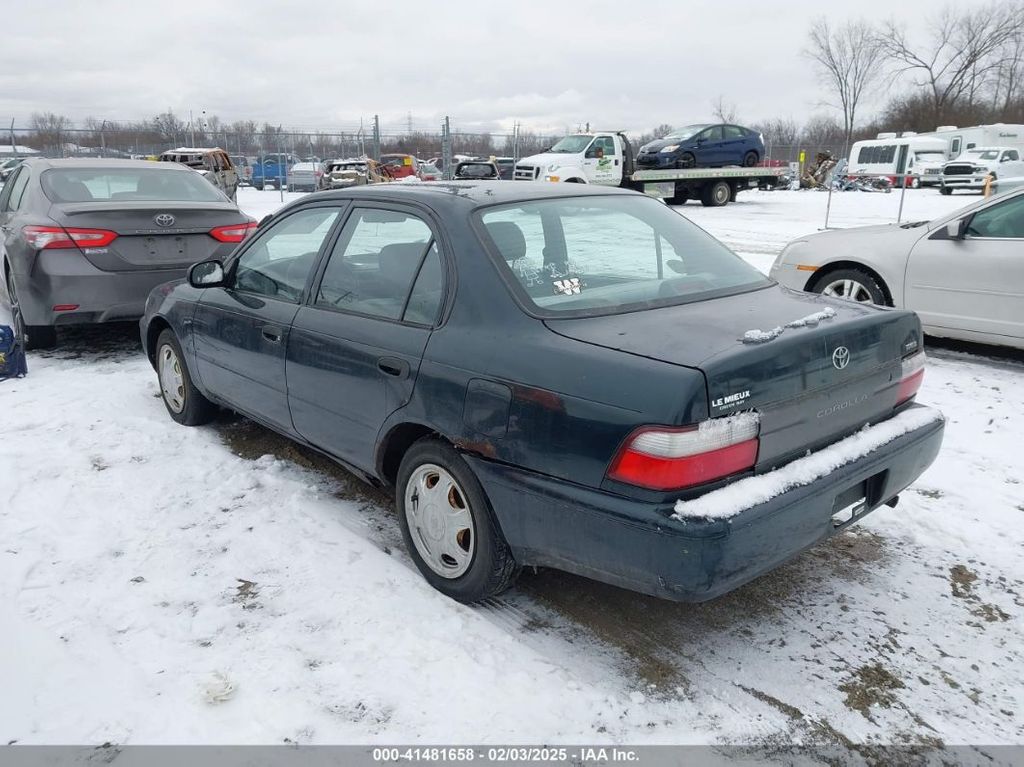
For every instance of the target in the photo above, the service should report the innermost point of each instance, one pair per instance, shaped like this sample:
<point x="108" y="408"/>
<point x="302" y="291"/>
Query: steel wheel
<point x="849" y="289"/>
<point x="172" y="380"/>
<point x="440" y="522"/>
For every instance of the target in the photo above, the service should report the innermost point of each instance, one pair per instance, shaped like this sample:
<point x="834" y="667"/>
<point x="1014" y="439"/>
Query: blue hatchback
<point x="703" y="146"/>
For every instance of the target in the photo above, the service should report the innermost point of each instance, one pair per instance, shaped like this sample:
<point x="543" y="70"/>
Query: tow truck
<point x="607" y="158"/>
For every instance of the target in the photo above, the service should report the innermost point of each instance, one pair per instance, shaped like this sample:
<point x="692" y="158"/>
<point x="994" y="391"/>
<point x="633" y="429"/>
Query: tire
<point x="480" y="564"/>
<point x="851" y="284"/>
<point x="677" y="200"/>
<point x="915" y="183"/>
<point x="750" y="159"/>
<point x="687" y="160"/>
<point x="190" y="407"/>
<point x="258" y="187"/>
<point x="945" y="190"/>
<point x="716" y="195"/>
<point x="34" y="336"/>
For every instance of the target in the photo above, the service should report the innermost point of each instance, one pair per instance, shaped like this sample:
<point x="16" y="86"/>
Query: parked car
<point x="506" y="167"/>
<point x="962" y="273"/>
<point x="307" y="177"/>
<point x="213" y="164"/>
<point x="477" y="170"/>
<point x="272" y="170"/>
<point x="84" y="241"/>
<point x="243" y="168"/>
<point x="703" y="146"/>
<point x="342" y="174"/>
<point x="429" y="172"/>
<point x="397" y="166"/>
<point x="973" y="167"/>
<point x="540" y="414"/>
<point x="7" y="167"/>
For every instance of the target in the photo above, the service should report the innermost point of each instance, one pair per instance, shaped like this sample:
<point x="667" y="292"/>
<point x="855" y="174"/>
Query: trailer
<point x="606" y="158"/>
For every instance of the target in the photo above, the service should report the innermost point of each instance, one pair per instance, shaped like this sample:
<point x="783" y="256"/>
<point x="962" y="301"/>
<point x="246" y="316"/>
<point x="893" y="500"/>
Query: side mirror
<point x="956" y="228"/>
<point x="206" y="274"/>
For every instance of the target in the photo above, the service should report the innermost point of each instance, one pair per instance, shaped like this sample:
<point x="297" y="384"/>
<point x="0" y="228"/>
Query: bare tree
<point x="966" y="48"/>
<point x="848" y="62"/>
<point x="725" y="113"/>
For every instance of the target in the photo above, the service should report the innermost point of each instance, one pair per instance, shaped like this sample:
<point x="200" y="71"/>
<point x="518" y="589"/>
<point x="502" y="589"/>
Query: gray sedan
<point x="962" y="273"/>
<point x="84" y="241"/>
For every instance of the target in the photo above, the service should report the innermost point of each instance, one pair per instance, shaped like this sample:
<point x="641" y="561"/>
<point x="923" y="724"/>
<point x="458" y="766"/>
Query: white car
<point x="971" y="169"/>
<point x="963" y="273"/>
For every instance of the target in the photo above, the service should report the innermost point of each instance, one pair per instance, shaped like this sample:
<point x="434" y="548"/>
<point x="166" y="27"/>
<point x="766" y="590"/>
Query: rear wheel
<point x="33" y="336"/>
<point x="184" y="402"/>
<point x="851" y="284"/>
<point x="448" y="526"/>
<point x="750" y="159"/>
<point x="716" y="195"/>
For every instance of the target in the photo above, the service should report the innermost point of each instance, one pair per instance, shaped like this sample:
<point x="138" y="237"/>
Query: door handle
<point x="392" y="366"/>
<point x="272" y="334"/>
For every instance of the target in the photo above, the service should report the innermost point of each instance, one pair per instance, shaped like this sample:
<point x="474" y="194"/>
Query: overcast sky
<point x="324" y="65"/>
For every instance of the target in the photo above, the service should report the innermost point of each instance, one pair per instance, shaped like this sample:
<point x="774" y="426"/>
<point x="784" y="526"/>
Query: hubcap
<point x="172" y="382"/>
<point x="851" y="290"/>
<point x="440" y="520"/>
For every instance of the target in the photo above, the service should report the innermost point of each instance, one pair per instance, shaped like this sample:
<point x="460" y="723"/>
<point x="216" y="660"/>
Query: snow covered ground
<point x="160" y="584"/>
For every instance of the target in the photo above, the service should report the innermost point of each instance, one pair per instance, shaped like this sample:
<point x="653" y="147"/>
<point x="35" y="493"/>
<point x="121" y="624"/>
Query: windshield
<point x="684" y="133"/>
<point x="572" y="144"/>
<point x="931" y="156"/>
<point x="984" y="154"/>
<point x="603" y="255"/>
<point x="127" y="184"/>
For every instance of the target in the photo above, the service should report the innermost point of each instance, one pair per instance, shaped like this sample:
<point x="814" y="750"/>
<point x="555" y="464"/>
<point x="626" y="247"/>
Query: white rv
<point x="961" y="139"/>
<point x="901" y="159"/>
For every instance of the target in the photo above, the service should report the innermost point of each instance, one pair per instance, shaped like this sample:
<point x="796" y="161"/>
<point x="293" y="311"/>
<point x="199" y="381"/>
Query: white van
<point x="903" y="160"/>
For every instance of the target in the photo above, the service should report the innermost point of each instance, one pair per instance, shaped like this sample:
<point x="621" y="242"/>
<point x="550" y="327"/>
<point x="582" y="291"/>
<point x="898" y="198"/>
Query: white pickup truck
<point x="607" y="158"/>
<point x="973" y="166"/>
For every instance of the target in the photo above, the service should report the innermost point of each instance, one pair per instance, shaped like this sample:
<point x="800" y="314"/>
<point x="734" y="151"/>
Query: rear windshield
<point x="582" y="256"/>
<point x="127" y="184"/>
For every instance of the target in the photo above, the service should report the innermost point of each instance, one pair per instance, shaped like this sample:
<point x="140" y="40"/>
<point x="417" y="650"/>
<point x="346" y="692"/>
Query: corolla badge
<point x="164" y="219"/>
<point x="841" y="357"/>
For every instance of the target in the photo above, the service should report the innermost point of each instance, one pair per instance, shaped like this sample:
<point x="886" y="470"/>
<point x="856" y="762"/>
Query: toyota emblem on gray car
<point x="164" y="219"/>
<point x="841" y="357"/>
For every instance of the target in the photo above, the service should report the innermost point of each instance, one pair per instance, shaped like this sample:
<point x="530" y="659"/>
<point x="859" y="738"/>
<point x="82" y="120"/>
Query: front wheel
<point x="687" y="160"/>
<point x="851" y="284"/>
<point x="448" y="526"/>
<point x="945" y="190"/>
<point x="184" y="402"/>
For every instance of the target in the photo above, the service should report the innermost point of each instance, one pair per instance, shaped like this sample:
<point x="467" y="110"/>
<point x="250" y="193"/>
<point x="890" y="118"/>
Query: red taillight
<point x="665" y="458"/>
<point x="233" y="232"/>
<point x="56" y="237"/>
<point x="911" y="376"/>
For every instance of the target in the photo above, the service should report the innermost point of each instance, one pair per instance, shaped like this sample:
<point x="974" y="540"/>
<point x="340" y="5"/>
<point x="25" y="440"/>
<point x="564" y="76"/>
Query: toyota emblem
<point x="841" y="357"/>
<point x="164" y="219"/>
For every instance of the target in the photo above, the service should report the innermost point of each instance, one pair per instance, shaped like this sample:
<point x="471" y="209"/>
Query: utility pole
<point x="103" y="140"/>
<point x="14" y="147"/>
<point x="376" y="138"/>
<point x="446" y="148"/>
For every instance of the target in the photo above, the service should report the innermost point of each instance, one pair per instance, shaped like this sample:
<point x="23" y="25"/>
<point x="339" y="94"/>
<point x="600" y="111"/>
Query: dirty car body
<point x="593" y="359"/>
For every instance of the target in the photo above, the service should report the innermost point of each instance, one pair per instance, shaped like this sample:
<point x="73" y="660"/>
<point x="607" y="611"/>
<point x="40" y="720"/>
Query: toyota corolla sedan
<point x="553" y="375"/>
<point x="962" y="273"/>
<point x="84" y="241"/>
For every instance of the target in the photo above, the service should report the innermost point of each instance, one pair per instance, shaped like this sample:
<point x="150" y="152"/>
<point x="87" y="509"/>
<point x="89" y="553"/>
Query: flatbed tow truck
<point x="607" y="158"/>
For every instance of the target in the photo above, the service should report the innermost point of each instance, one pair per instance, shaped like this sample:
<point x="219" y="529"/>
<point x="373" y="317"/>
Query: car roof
<point x="105" y="162"/>
<point x="468" y="194"/>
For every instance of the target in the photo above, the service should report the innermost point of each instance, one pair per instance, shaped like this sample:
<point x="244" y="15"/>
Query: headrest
<point x="509" y="238"/>
<point x="398" y="262"/>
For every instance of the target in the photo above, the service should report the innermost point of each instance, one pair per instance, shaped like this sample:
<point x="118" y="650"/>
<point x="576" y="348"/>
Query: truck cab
<point x="581" y="158"/>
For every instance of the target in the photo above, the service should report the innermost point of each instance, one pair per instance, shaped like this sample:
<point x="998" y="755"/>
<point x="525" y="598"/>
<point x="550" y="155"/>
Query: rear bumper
<point x="58" y="278"/>
<point x="641" y="546"/>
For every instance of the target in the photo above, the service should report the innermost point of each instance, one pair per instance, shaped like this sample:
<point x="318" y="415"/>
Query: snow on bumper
<point x="735" y="498"/>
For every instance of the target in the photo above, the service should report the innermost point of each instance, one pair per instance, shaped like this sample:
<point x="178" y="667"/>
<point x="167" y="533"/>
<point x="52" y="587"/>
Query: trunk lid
<point x="777" y="352"/>
<point x="142" y="243"/>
